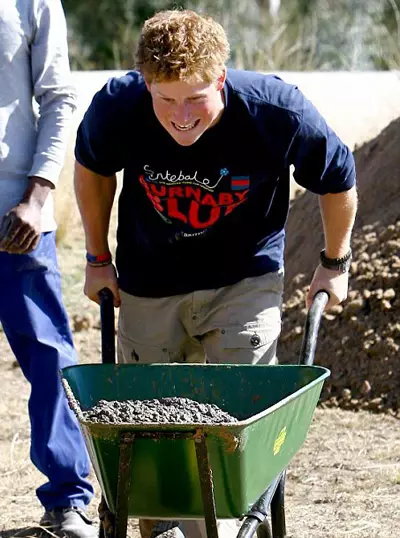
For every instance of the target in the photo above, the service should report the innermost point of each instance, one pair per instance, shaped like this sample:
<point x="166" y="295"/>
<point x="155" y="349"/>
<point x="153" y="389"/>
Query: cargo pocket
<point x="249" y="345"/>
<point x="129" y="352"/>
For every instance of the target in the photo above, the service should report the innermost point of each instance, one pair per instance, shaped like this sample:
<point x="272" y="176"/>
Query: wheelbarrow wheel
<point x="264" y="530"/>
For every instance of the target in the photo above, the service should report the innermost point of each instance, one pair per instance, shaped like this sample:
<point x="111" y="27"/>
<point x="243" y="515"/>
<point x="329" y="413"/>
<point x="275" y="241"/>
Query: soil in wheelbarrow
<point x="360" y="339"/>
<point x="158" y="411"/>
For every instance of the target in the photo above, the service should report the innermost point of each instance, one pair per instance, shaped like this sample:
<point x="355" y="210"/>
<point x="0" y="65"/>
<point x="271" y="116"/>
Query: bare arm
<point x="338" y="212"/>
<point x="95" y="197"/>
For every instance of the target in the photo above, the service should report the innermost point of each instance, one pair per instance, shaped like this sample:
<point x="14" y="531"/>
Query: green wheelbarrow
<point x="192" y="471"/>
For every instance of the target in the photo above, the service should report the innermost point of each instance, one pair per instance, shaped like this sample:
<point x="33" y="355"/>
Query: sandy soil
<point x="346" y="479"/>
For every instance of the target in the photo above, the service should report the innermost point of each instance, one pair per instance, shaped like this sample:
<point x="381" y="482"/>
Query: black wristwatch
<point x="336" y="264"/>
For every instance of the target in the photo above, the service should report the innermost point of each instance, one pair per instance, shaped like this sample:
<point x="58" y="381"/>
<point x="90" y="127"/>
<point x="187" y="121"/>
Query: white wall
<point x="356" y="105"/>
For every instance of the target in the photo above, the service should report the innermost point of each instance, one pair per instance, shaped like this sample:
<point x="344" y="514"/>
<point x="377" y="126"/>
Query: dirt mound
<point x="378" y="184"/>
<point x="359" y="340"/>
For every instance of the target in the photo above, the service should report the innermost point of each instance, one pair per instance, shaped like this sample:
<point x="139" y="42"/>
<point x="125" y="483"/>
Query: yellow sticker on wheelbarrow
<point x="279" y="441"/>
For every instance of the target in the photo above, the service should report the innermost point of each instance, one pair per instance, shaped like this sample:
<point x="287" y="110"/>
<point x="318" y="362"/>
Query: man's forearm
<point x="95" y="196"/>
<point x="338" y="214"/>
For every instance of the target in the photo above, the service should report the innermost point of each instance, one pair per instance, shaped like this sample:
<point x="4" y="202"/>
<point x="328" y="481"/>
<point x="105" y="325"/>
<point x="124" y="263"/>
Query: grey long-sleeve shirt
<point x="34" y="66"/>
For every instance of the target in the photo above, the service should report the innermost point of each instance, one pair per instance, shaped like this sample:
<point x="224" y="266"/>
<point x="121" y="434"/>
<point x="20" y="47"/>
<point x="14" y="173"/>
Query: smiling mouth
<point x="184" y="128"/>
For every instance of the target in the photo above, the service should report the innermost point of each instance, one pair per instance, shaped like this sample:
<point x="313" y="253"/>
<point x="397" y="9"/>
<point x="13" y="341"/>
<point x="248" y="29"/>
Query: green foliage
<point x="300" y="35"/>
<point x="103" y="33"/>
<point x="386" y="38"/>
<point x="390" y="15"/>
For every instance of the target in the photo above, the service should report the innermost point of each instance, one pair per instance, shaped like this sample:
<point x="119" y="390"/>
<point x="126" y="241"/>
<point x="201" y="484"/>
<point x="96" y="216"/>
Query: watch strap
<point x="336" y="264"/>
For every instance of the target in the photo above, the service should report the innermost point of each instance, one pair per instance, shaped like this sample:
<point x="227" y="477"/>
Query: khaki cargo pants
<point x="237" y="324"/>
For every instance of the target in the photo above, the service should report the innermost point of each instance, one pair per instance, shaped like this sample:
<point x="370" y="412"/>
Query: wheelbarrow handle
<point x="311" y="327"/>
<point x="107" y="324"/>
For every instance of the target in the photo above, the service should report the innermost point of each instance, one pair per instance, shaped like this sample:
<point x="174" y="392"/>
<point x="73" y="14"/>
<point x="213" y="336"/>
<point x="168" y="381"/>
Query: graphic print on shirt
<point x="192" y="200"/>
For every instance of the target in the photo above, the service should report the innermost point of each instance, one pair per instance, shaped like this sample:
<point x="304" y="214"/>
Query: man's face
<point x="185" y="110"/>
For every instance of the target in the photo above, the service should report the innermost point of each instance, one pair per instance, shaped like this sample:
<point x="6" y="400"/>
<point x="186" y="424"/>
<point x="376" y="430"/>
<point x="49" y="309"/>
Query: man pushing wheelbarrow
<point x="206" y="152"/>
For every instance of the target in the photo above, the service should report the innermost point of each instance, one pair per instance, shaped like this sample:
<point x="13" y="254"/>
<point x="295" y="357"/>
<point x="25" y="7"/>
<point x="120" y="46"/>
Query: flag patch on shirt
<point x="240" y="183"/>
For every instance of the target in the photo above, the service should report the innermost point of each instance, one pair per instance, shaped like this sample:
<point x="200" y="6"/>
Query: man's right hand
<point x="98" y="278"/>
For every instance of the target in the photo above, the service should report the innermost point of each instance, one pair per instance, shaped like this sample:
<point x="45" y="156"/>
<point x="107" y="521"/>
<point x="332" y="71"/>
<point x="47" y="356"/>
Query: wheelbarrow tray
<point x="274" y="405"/>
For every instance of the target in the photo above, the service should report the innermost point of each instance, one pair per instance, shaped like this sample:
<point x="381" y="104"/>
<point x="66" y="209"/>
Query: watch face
<point x="344" y="267"/>
<point x="347" y="265"/>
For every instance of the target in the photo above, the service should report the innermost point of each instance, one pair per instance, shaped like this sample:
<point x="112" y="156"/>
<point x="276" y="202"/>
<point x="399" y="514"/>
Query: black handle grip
<point x="313" y="321"/>
<point x="107" y="323"/>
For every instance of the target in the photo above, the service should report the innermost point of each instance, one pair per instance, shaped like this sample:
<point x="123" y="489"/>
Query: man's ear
<point x="221" y="80"/>
<point x="148" y="85"/>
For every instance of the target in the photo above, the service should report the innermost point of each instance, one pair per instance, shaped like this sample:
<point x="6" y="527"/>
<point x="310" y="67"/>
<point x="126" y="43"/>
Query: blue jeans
<point x="36" y="325"/>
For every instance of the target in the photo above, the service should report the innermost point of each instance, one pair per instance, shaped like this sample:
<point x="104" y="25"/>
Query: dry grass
<point x="344" y="482"/>
<point x="344" y="479"/>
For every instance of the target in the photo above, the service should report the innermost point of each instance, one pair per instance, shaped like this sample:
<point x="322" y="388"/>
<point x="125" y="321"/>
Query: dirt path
<point x="344" y="482"/>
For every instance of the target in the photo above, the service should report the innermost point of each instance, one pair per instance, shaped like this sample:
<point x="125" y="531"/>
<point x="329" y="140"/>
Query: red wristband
<point x="100" y="260"/>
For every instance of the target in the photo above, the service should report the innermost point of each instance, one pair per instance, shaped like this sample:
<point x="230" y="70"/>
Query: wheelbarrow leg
<point x="109" y="528"/>
<point x="123" y="485"/>
<point x="207" y="487"/>
<point x="278" y="520"/>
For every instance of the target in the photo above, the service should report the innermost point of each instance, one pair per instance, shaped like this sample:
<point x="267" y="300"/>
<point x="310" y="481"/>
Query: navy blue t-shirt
<point x="208" y="215"/>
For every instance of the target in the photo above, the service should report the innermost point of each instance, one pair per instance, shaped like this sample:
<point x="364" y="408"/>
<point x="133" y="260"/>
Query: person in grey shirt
<point x="36" y="105"/>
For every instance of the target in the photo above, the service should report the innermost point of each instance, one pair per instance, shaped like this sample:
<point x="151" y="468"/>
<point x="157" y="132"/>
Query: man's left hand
<point x="335" y="283"/>
<point x="20" y="228"/>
